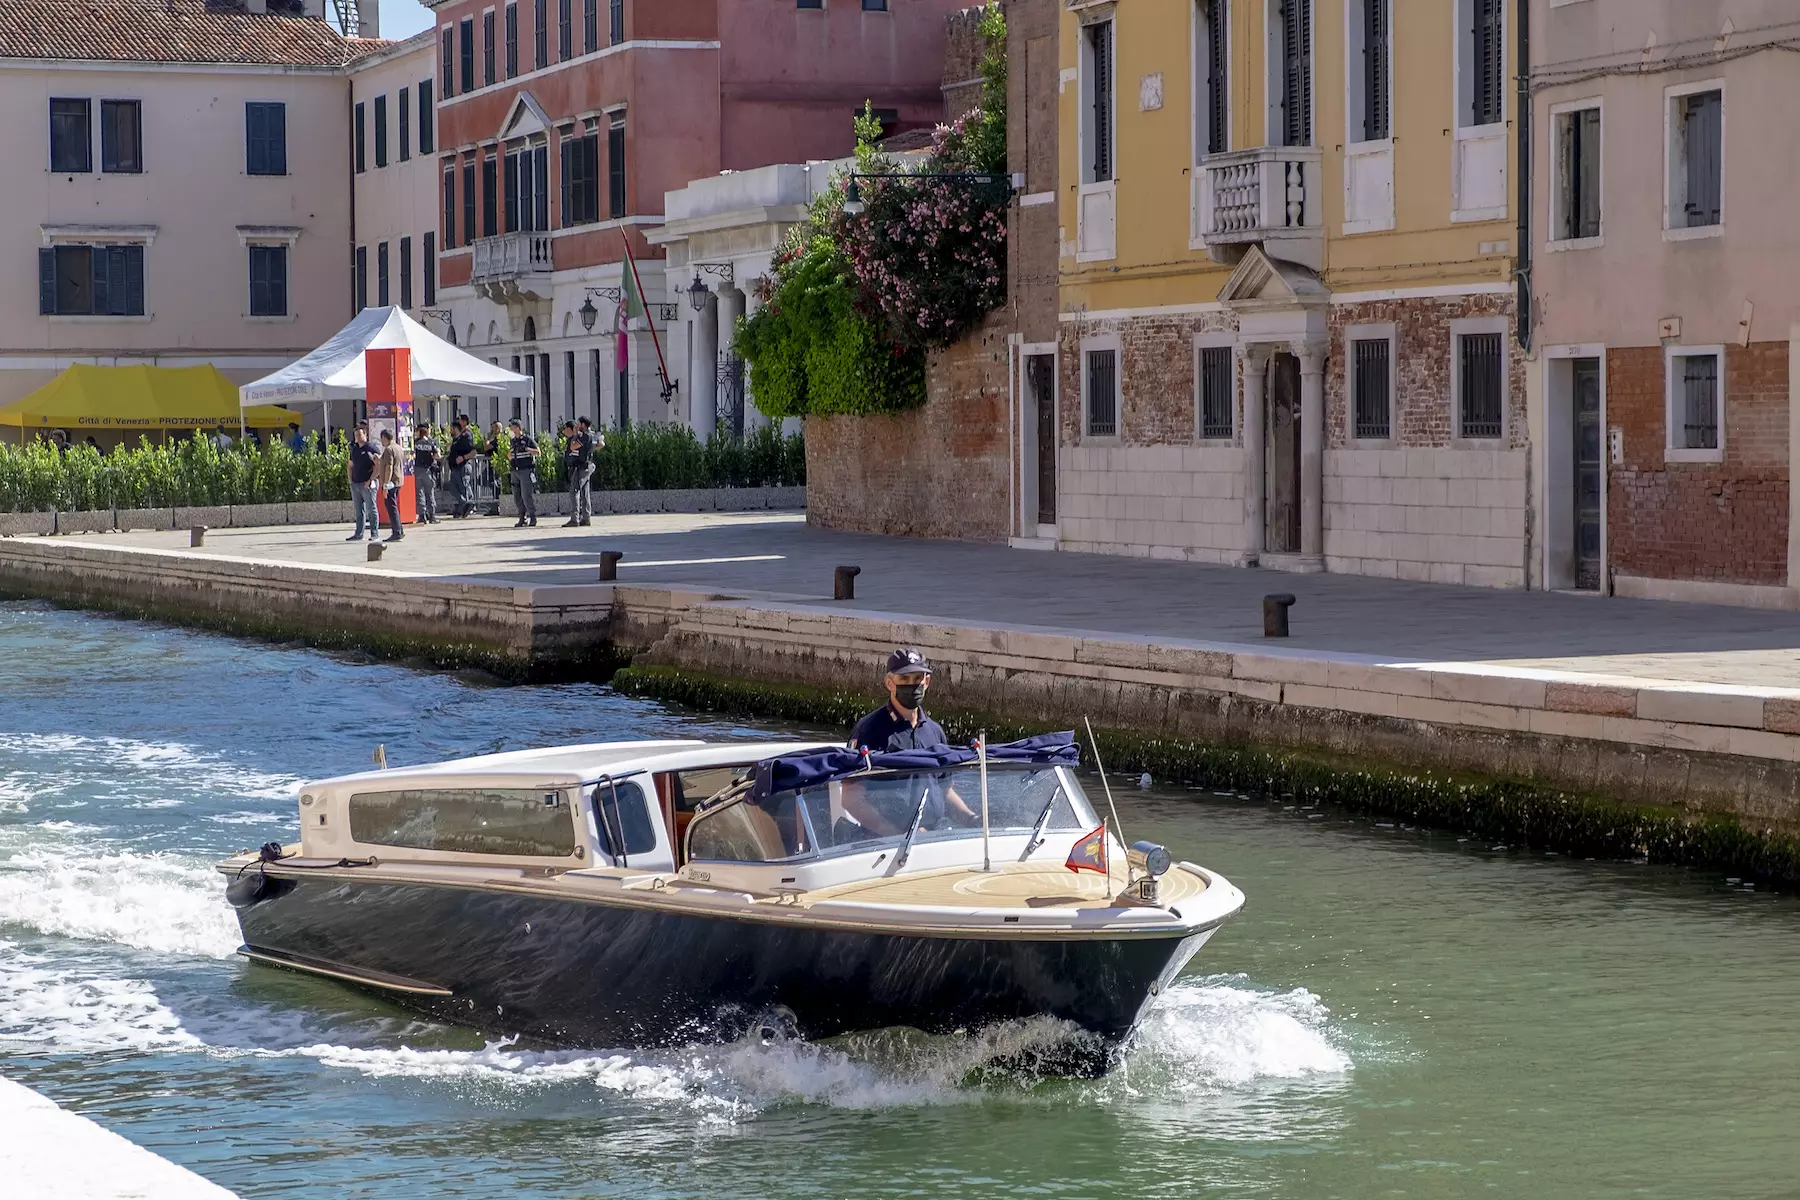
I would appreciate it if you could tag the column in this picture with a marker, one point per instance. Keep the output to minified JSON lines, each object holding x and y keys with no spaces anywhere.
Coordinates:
{"x":703,"y":370}
{"x":731,"y":307}
{"x":1312,"y":449}
{"x":1256,"y":375}
{"x":753,"y":418}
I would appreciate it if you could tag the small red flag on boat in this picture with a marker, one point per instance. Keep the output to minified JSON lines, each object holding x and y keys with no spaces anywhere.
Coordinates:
{"x":1089,"y":853}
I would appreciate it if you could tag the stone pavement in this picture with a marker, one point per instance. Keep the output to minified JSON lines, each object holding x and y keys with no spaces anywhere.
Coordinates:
{"x":777,"y":556}
{"x":47,"y":1151}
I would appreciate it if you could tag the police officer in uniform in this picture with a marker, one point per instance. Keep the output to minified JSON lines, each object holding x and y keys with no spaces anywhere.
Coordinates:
{"x":902,"y":724}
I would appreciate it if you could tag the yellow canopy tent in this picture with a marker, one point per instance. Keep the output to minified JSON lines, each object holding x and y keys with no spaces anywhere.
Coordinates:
{"x":86,"y":399}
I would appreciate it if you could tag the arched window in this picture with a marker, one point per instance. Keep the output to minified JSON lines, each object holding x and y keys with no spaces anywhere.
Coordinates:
{"x":530,"y":329}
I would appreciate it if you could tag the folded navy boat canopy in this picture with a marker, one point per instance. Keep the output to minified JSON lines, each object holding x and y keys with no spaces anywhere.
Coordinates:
{"x":791,"y":772}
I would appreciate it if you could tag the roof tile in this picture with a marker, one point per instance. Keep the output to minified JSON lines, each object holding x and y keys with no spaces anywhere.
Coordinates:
{"x":171,"y":31}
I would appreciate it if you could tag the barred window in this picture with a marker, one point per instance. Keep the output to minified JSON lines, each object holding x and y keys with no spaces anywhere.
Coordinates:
{"x":1371,"y":388}
{"x":1481,"y":385}
{"x":1215,"y":391}
{"x":1102,"y":393}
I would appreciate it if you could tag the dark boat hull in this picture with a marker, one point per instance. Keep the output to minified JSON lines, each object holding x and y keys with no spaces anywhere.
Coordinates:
{"x":590,"y":974}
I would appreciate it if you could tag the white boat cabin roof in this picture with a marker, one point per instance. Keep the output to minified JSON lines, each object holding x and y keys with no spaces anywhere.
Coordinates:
{"x":568,"y":765}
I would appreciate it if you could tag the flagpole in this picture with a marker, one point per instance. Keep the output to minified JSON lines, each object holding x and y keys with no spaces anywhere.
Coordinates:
{"x":1117,"y":827}
{"x":631,"y":262}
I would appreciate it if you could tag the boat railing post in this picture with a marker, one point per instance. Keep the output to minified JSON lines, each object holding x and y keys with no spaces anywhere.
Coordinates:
{"x":987,"y":861}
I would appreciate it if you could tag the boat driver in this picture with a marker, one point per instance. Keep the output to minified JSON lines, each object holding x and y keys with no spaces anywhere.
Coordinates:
{"x":902,"y":724}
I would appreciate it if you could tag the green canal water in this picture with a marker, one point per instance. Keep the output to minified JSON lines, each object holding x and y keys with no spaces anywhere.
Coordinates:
{"x":1395,"y":1013}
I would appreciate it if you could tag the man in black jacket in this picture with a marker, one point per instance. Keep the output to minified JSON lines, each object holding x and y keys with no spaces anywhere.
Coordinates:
{"x":580,"y":456}
{"x":462,"y":467}
{"x":523,"y":452}
{"x":362,"y":483}
{"x":425,"y":475}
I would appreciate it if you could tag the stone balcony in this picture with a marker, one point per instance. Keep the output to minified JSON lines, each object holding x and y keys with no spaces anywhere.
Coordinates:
{"x":1273,"y":195}
{"x":513,"y":266}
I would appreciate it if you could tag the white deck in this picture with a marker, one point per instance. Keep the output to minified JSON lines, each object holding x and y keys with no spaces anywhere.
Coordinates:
{"x":47,"y":1151}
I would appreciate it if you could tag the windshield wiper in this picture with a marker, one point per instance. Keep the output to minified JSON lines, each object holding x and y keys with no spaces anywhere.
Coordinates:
{"x":1043,"y":819}
{"x":918,"y":819}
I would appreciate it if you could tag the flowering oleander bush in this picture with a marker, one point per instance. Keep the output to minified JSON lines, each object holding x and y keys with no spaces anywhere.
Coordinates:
{"x":192,"y":473}
{"x":857,"y":300}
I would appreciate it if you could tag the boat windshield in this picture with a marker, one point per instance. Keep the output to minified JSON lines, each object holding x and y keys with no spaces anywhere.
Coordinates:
{"x":866,"y":812}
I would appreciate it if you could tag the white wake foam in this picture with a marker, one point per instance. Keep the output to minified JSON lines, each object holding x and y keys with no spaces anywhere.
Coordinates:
{"x":1220,"y":1033}
{"x":154,"y":902}
{"x":76,"y":1008}
{"x":128,"y":770}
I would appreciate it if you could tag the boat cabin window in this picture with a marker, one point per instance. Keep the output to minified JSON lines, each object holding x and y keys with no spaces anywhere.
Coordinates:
{"x":768,"y":830}
{"x":527,"y":822}
{"x":684,"y":791}
{"x":850,"y":815}
{"x":627,"y":820}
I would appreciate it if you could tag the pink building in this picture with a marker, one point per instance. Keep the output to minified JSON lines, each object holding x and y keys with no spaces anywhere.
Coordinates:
{"x":563,"y":122}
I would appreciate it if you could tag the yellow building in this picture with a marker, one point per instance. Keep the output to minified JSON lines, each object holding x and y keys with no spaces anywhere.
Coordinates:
{"x":1287,"y":308}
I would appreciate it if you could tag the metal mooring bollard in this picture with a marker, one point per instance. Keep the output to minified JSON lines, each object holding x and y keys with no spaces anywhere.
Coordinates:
{"x":197,"y":535}
{"x":609,"y":565}
{"x":375,"y":551}
{"x":1275,"y":614}
{"x":843,"y":583}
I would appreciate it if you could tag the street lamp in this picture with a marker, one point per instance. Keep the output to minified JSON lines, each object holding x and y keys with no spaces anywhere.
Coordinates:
{"x":588,"y":313}
{"x":853,"y":205}
{"x":697,"y":291}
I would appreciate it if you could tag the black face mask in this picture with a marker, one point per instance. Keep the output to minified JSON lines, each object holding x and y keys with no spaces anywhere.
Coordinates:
{"x":909,"y":694}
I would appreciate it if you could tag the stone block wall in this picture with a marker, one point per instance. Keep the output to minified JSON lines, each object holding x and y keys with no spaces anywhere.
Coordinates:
{"x":1723,"y":522}
{"x":1436,"y":514}
{"x":1153,"y":501}
{"x":940,"y":471}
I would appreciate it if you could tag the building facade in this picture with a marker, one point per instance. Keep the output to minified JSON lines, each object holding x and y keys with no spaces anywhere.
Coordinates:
{"x":180,"y":193}
{"x":394,"y":176}
{"x":1669,"y":319}
{"x":1286,"y":244}
{"x":562,"y":124}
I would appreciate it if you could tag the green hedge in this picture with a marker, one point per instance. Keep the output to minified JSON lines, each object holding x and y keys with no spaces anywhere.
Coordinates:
{"x":190,"y":472}
{"x":1496,"y":810}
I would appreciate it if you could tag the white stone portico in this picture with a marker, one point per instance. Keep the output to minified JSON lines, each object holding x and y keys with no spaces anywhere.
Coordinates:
{"x":721,"y":234}
{"x":1282,"y":312}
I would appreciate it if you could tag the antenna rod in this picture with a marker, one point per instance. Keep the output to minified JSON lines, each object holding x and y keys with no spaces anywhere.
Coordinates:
{"x":987,"y":862}
{"x":1118,"y":829}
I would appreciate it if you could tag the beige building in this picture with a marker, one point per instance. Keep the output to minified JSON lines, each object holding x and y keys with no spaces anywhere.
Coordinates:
{"x":1666,"y":246}
{"x":393,"y":165}
{"x":181,"y":186}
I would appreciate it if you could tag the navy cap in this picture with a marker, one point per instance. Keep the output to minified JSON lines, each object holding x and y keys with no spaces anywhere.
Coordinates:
{"x":907,"y":661}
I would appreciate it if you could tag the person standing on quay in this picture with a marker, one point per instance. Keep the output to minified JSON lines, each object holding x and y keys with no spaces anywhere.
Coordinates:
{"x":362,"y":483}
{"x":390,"y":469}
{"x":297,"y":441}
{"x":425,"y":474}
{"x":582,"y":444}
{"x":524,"y":456}
{"x":462,"y":467}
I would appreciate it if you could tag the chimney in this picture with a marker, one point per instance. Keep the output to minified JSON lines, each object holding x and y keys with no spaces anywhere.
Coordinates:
{"x":368,"y":18}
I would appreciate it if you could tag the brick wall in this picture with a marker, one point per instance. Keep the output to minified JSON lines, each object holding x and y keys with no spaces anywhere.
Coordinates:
{"x":939,"y":471}
{"x":964,"y":48}
{"x":1724,"y":522}
{"x":1156,"y":399}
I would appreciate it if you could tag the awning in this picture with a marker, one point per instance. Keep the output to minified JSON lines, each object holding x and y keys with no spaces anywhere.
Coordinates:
{"x":89,"y":398}
{"x":337,"y":371}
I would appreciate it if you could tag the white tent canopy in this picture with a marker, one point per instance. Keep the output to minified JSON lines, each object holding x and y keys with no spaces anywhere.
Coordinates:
{"x":336,"y":370}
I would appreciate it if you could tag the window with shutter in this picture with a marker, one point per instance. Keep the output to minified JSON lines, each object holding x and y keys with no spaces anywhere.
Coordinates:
{"x":405,"y":115}
{"x":381,"y":274}
{"x":1296,"y":72}
{"x":381,"y":131}
{"x":540,"y":33}
{"x":406,"y":291}
{"x":449,"y":206}
{"x":428,"y":269}
{"x":1703,"y":158}
{"x":512,"y":40}
{"x":540,"y":164}
{"x":1214,"y":123}
{"x":1578,"y":174}
{"x":47,"y":280}
{"x":360,"y":280}
{"x":265,"y":138}
{"x":1376,"y":56}
{"x":427,"y":125}
{"x":360,"y":137}
{"x":490,"y":196}
{"x":565,"y":31}
{"x":268,"y":281}
{"x":1100,"y":56}
{"x":468,"y":185}
{"x":71,"y":137}
{"x":467,"y":31}
{"x":487,"y":48}
{"x":447,"y":68}
{"x":1700,"y":402}
{"x":590,"y":26}
{"x":121,"y":137}
{"x":615,"y":167}
{"x":1487,"y":101}
{"x":512,"y":193}
{"x":615,"y":22}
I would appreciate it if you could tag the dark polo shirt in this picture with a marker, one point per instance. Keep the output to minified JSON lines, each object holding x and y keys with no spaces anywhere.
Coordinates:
{"x":885,"y":729}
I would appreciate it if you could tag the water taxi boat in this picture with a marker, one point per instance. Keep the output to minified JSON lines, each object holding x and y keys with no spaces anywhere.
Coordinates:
{"x":657,"y":893}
